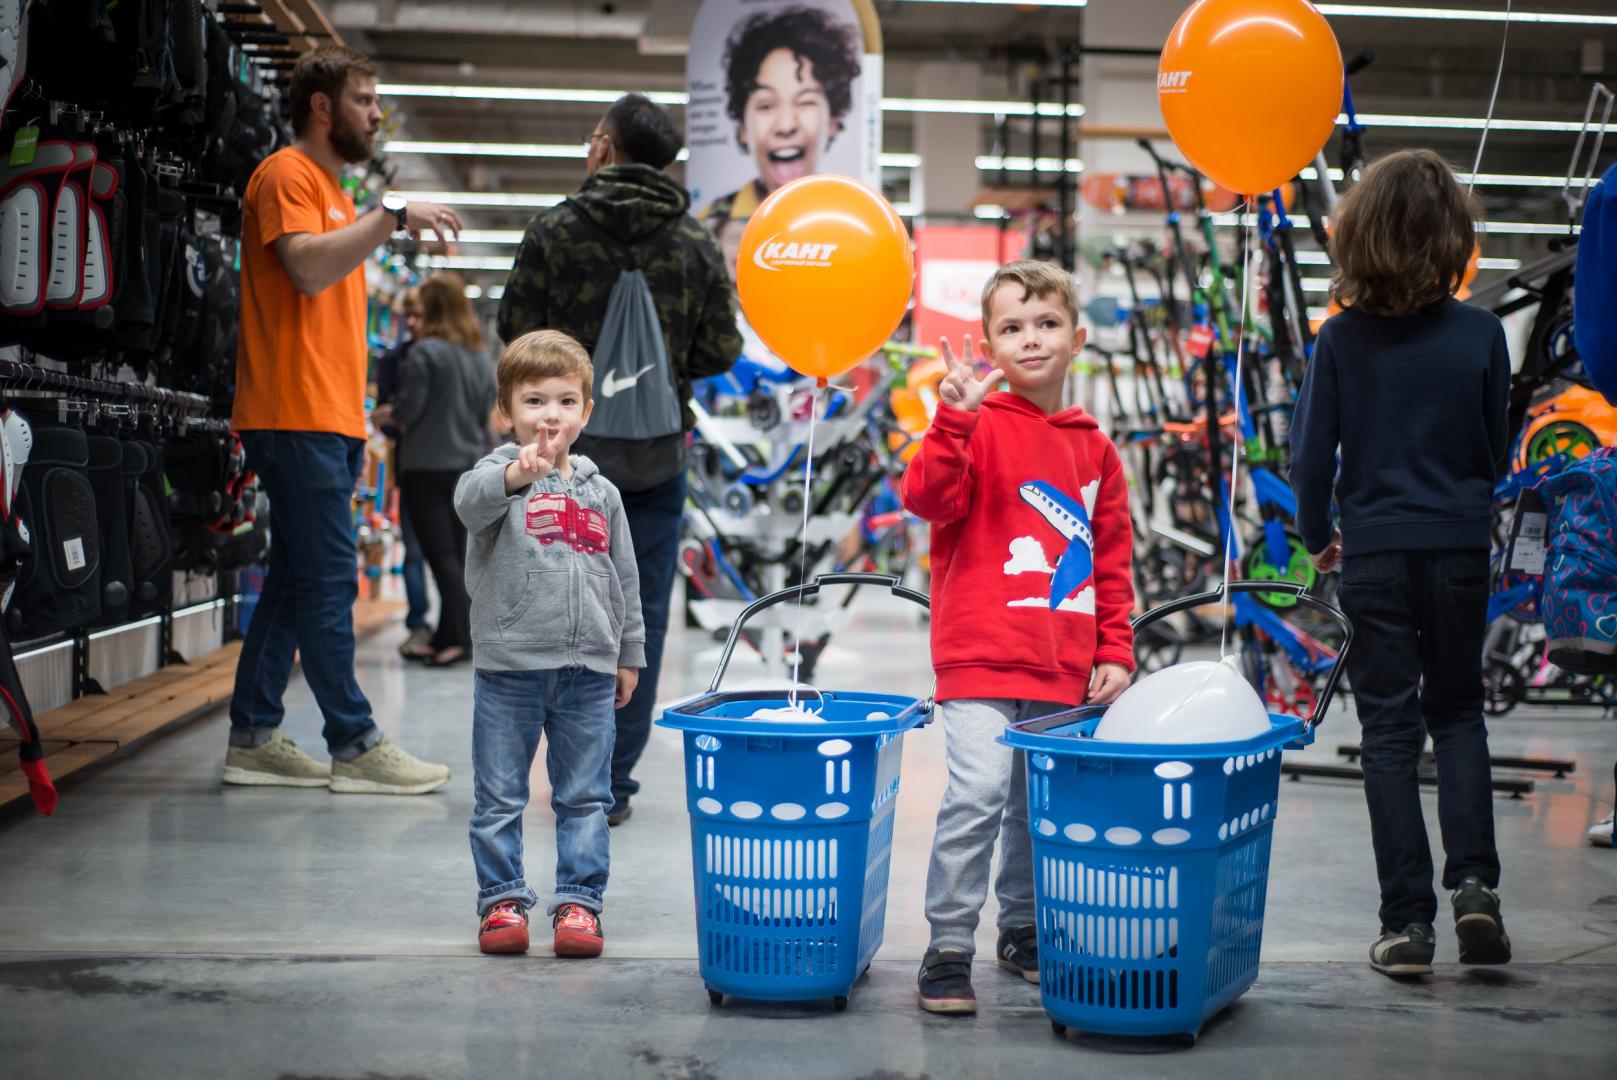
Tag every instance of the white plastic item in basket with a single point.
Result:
(1204, 701)
(786, 714)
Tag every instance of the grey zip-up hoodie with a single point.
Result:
(550, 570)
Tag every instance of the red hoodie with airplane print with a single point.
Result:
(1031, 542)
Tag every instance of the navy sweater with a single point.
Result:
(1417, 405)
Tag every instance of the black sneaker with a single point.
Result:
(1019, 951)
(945, 982)
(1478, 924)
(619, 814)
(1405, 952)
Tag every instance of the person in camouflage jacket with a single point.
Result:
(630, 212)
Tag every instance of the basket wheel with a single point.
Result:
(1186, 1039)
(840, 1003)
(715, 998)
(1059, 1028)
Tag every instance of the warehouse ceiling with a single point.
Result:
(1421, 68)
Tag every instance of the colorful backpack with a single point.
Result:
(1580, 573)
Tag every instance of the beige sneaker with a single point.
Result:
(387, 769)
(277, 763)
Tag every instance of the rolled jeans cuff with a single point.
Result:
(512, 890)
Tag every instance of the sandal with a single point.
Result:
(439, 660)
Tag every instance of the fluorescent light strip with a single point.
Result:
(1461, 123)
(1387, 11)
(1485, 179)
(562, 150)
(516, 200)
(670, 97)
(470, 262)
(1519, 228)
(1009, 3)
(1319, 258)
(993, 163)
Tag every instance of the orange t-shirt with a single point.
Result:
(300, 361)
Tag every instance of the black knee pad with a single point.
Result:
(150, 542)
(60, 588)
(112, 514)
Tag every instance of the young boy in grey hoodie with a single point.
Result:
(557, 641)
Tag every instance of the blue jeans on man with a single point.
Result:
(572, 708)
(654, 517)
(307, 603)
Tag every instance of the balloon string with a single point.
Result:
(1499, 73)
(802, 563)
(1235, 444)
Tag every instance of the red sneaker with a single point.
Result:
(578, 931)
(504, 929)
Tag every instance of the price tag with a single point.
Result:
(1529, 530)
(1200, 341)
(73, 550)
(24, 146)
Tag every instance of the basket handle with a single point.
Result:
(801, 592)
(1300, 592)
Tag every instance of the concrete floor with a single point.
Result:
(162, 925)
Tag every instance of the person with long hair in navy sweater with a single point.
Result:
(1411, 386)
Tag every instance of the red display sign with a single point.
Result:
(952, 262)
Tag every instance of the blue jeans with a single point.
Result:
(654, 520)
(415, 573)
(307, 604)
(572, 707)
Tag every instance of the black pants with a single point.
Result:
(429, 499)
(654, 520)
(1416, 665)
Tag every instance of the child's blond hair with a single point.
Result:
(543, 354)
(1036, 278)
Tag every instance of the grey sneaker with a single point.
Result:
(1479, 925)
(387, 769)
(1405, 952)
(277, 763)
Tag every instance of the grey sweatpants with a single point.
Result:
(986, 796)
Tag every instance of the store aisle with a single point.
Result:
(163, 925)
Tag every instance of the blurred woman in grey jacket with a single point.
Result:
(446, 391)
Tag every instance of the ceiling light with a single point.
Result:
(1387, 11)
(1008, 3)
(470, 262)
(994, 162)
(1462, 123)
(490, 236)
(672, 97)
(474, 292)
(1319, 258)
(989, 212)
(515, 200)
(1520, 228)
(1485, 179)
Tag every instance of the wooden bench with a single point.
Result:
(92, 727)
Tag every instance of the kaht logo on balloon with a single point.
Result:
(825, 274)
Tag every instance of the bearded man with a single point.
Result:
(300, 411)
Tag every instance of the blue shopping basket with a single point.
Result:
(1151, 861)
(792, 827)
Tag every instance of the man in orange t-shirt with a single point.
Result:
(300, 409)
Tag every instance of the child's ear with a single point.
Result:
(982, 348)
(1079, 339)
(589, 407)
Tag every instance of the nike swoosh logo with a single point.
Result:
(613, 383)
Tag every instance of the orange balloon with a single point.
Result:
(1227, 60)
(825, 273)
(1470, 276)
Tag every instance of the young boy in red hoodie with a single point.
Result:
(1031, 596)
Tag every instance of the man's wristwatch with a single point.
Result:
(399, 208)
